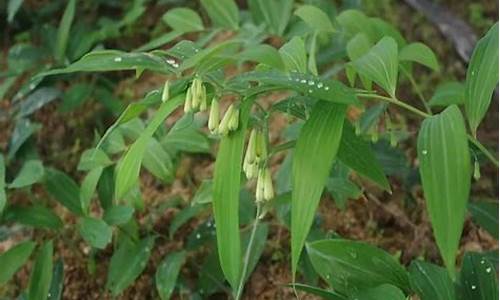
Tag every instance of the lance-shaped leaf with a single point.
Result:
(41, 274)
(114, 60)
(64, 189)
(129, 166)
(358, 155)
(183, 19)
(431, 282)
(383, 291)
(350, 265)
(167, 273)
(445, 171)
(380, 64)
(478, 279)
(420, 53)
(31, 172)
(13, 259)
(294, 55)
(226, 195)
(223, 13)
(482, 77)
(486, 215)
(315, 18)
(63, 32)
(314, 154)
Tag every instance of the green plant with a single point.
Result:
(327, 148)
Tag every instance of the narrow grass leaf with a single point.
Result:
(13, 259)
(226, 195)
(41, 274)
(482, 78)
(445, 171)
(351, 265)
(167, 273)
(315, 151)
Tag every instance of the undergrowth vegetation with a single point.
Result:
(332, 73)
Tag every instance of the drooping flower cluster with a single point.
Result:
(196, 97)
(255, 165)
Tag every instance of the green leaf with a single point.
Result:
(431, 282)
(486, 215)
(167, 273)
(13, 259)
(358, 46)
(342, 189)
(275, 14)
(118, 215)
(75, 96)
(383, 291)
(12, 8)
(95, 232)
(22, 132)
(419, 53)
(37, 100)
(204, 193)
(380, 64)
(114, 60)
(158, 161)
(294, 55)
(482, 78)
(106, 187)
(37, 216)
(63, 31)
(159, 41)
(351, 265)
(3, 196)
(448, 93)
(31, 172)
(41, 274)
(183, 19)
(259, 243)
(223, 13)
(313, 158)
(184, 216)
(63, 189)
(324, 294)
(263, 54)
(445, 171)
(127, 263)
(57, 283)
(226, 195)
(358, 155)
(315, 18)
(93, 158)
(88, 188)
(129, 166)
(190, 140)
(323, 89)
(478, 279)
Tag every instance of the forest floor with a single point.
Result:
(389, 221)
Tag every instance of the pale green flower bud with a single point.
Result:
(235, 118)
(268, 185)
(203, 100)
(251, 169)
(214, 117)
(250, 154)
(477, 170)
(166, 91)
(188, 102)
(259, 190)
(224, 124)
(260, 147)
